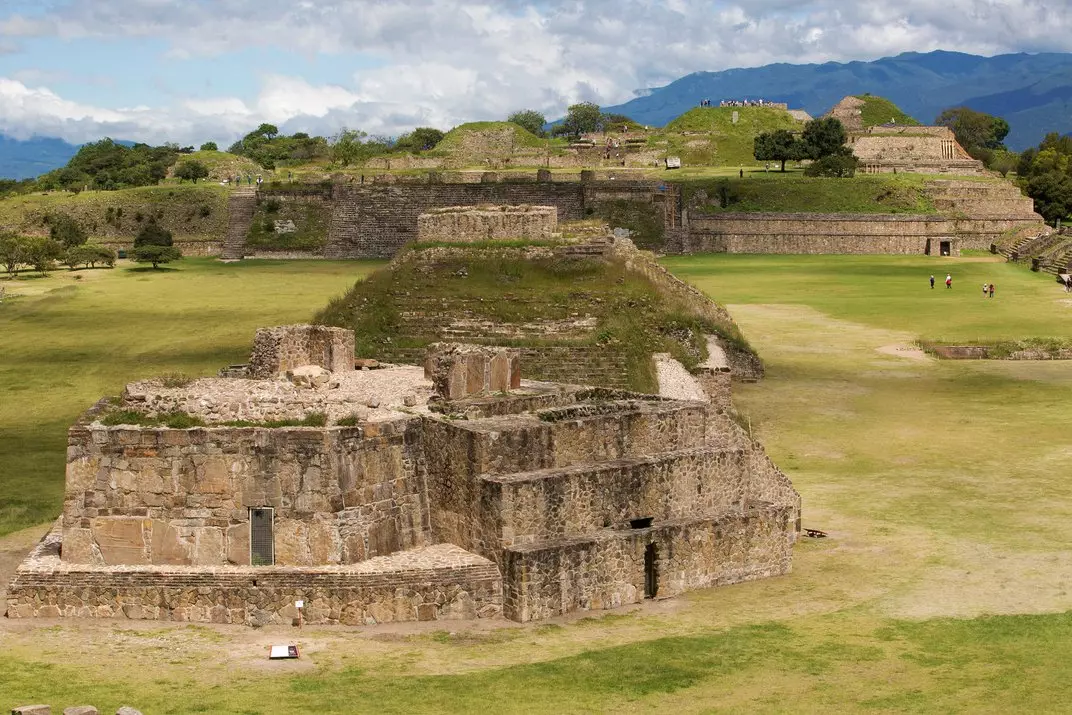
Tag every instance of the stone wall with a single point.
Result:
(467, 224)
(376, 220)
(436, 583)
(190, 248)
(173, 496)
(276, 350)
(835, 233)
(547, 580)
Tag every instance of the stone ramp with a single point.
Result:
(675, 381)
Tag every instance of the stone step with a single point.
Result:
(241, 207)
(584, 499)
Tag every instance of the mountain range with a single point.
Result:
(1033, 93)
(26, 159)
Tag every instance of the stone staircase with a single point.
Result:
(240, 209)
(610, 498)
(594, 247)
(1058, 258)
(1032, 243)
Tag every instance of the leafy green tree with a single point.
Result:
(41, 252)
(66, 230)
(529, 120)
(89, 255)
(154, 244)
(974, 129)
(582, 118)
(268, 131)
(191, 169)
(839, 166)
(780, 145)
(823, 137)
(12, 251)
(420, 139)
(209, 146)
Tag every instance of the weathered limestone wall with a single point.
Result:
(377, 220)
(173, 496)
(276, 350)
(549, 579)
(836, 233)
(458, 371)
(437, 583)
(467, 224)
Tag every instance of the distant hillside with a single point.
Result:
(1032, 92)
(33, 157)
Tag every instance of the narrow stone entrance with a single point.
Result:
(651, 574)
(945, 248)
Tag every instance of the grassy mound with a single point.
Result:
(879, 110)
(304, 225)
(401, 309)
(465, 136)
(188, 211)
(222, 165)
(707, 135)
(793, 193)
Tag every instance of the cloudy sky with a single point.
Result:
(193, 70)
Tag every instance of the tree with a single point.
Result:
(583, 118)
(66, 230)
(839, 166)
(974, 129)
(154, 244)
(89, 255)
(530, 120)
(420, 139)
(42, 251)
(12, 251)
(268, 131)
(209, 146)
(778, 145)
(823, 137)
(191, 169)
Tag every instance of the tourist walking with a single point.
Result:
(986, 287)
(948, 280)
(991, 290)
(932, 282)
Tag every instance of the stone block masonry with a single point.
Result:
(458, 371)
(466, 224)
(276, 350)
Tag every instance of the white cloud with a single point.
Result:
(447, 61)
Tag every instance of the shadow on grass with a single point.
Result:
(150, 269)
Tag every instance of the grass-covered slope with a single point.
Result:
(187, 210)
(407, 304)
(793, 193)
(879, 110)
(464, 136)
(708, 136)
(222, 165)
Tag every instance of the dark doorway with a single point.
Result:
(927, 250)
(261, 537)
(651, 572)
(945, 247)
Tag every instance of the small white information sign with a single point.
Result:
(283, 651)
(299, 604)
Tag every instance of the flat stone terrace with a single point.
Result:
(370, 395)
(429, 583)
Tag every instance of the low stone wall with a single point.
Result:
(439, 583)
(609, 571)
(189, 247)
(467, 224)
(138, 495)
(276, 350)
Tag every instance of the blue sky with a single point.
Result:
(192, 70)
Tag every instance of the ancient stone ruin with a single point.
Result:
(377, 495)
(466, 224)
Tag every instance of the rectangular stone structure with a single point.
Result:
(276, 350)
(458, 370)
(466, 224)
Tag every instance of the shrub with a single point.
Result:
(204, 210)
(191, 169)
(209, 146)
(66, 230)
(834, 165)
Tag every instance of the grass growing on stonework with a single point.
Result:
(67, 342)
(942, 586)
(495, 284)
(795, 193)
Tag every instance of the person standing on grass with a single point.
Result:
(985, 288)
(948, 280)
(991, 290)
(932, 282)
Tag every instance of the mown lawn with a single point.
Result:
(945, 584)
(68, 342)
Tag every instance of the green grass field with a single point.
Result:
(944, 585)
(68, 342)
